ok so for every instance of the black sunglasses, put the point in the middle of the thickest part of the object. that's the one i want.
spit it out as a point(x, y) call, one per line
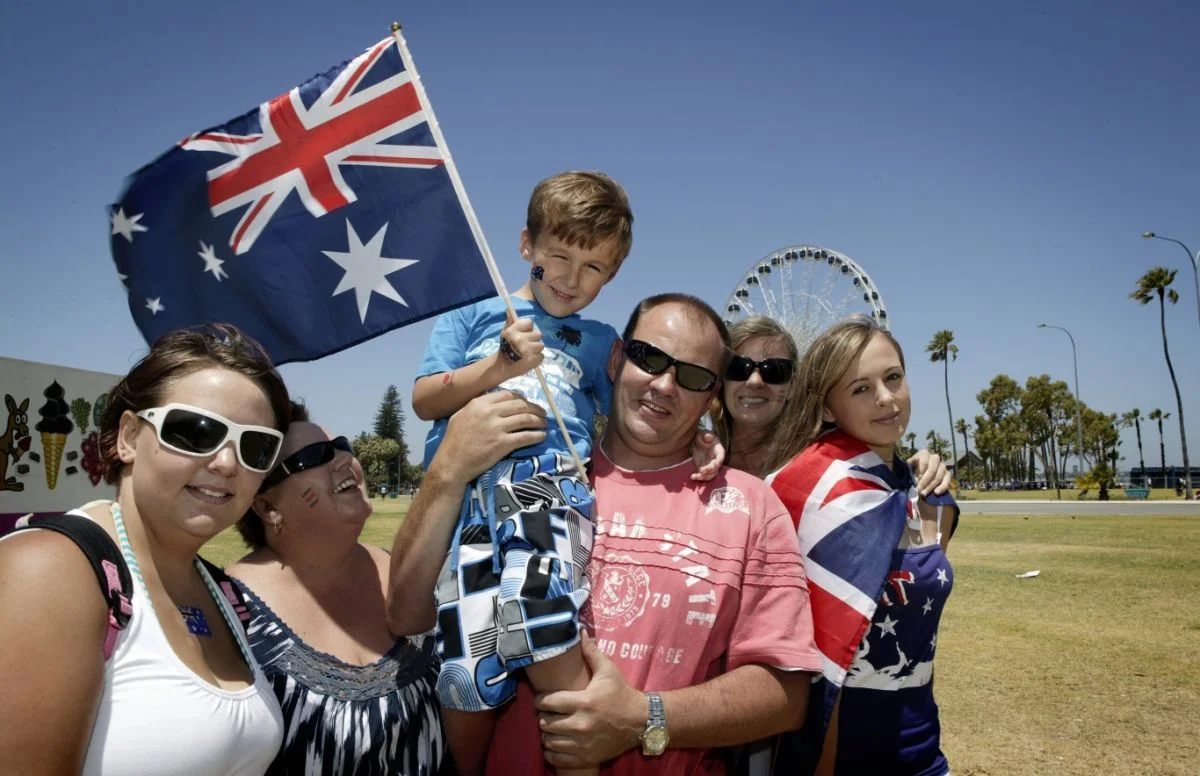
point(307, 457)
point(773, 371)
point(653, 361)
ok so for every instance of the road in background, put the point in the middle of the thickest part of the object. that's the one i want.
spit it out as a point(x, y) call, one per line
point(1133, 508)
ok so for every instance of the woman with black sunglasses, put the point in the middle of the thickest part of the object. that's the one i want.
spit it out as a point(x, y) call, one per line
point(356, 699)
point(754, 390)
point(163, 682)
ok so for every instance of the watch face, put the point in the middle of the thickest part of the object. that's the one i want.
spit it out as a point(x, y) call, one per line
point(654, 741)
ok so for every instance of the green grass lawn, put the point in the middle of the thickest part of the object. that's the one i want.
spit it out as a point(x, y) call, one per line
point(1093, 667)
point(380, 529)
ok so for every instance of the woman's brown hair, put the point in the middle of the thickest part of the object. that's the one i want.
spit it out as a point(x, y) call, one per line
point(176, 355)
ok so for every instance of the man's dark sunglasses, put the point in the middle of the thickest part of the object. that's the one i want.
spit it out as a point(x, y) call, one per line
point(653, 361)
point(307, 457)
point(773, 371)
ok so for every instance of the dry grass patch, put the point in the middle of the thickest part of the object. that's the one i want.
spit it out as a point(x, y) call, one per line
point(1092, 667)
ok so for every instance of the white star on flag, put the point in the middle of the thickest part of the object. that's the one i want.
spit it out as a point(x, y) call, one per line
point(155, 305)
point(123, 277)
point(127, 226)
point(888, 626)
point(366, 269)
point(211, 262)
point(927, 607)
point(941, 577)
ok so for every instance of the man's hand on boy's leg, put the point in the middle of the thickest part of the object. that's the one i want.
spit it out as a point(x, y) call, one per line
point(582, 728)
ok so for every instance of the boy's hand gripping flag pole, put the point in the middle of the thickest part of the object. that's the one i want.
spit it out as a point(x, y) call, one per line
point(488, 260)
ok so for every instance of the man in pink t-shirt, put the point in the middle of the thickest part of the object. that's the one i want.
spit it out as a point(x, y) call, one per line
point(699, 605)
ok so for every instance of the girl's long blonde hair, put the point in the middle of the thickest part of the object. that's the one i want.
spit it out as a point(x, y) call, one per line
point(754, 327)
point(823, 366)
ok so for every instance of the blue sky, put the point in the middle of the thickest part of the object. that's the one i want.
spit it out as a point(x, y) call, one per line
point(990, 167)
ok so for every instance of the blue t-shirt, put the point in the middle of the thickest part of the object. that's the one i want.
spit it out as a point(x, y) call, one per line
point(575, 367)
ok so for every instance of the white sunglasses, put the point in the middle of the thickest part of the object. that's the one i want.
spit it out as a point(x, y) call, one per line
point(199, 433)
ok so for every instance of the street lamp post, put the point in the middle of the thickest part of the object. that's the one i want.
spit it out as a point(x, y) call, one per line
point(1078, 401)
point(1192, 257)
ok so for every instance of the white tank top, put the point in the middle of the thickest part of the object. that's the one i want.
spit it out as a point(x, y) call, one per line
point(157, 716)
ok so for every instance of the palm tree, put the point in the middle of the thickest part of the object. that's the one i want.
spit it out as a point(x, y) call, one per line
point(961, 427)
point(911, 438)
point(1160, 416)
point(1134, 418)
point(942, 348)
point(1157, 283)
point(936, 442)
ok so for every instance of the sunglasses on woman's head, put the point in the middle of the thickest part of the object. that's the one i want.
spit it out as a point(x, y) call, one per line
point(199, 433)
point(773, 371)
point(307, 457)
point(653, 361)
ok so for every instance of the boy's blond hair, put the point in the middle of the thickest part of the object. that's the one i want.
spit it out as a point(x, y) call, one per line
point(582, 208)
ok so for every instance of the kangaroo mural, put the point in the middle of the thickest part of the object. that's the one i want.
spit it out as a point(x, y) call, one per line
point(14, 442)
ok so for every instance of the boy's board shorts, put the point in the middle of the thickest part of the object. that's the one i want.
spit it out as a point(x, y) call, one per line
point(509, 592)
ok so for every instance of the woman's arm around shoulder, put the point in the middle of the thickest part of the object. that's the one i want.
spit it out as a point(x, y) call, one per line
point(53, 617)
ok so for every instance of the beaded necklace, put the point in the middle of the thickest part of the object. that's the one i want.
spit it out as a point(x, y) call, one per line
point(135, 569)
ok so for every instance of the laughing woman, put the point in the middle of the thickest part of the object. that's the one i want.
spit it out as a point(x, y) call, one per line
point(356, 699)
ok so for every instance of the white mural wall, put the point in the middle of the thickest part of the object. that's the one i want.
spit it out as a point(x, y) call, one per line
point(50, 442)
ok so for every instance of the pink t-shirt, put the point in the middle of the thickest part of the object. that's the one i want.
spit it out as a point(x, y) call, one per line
point(689, 580)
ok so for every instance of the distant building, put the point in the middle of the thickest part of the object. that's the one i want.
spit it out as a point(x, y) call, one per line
point(969, 463)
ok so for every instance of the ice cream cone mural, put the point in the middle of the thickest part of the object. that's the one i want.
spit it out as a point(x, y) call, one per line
point(54, 427)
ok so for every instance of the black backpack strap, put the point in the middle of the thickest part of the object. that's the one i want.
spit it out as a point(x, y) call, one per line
point(102, 553)
point(232, 593)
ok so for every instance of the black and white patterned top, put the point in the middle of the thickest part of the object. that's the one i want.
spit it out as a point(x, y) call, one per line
point(344, 719)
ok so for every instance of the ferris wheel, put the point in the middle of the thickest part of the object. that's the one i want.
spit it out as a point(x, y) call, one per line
point(805, 289)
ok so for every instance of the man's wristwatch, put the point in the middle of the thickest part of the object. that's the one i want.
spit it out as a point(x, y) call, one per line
point(655, 737)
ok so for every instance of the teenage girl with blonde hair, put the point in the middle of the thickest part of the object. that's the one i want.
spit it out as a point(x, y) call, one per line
point(875, 558)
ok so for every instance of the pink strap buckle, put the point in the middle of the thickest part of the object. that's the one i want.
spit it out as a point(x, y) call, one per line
point(239, 608)
point(113, 577)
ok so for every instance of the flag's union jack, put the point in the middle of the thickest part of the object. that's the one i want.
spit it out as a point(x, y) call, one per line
point(302, 148)
point(849, 520)
point(271, 220)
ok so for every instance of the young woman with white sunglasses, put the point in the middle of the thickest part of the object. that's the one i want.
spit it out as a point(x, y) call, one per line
point(187, 438)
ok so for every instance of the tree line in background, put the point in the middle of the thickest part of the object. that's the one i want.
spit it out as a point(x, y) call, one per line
point(384, 454)
point(1024, 428)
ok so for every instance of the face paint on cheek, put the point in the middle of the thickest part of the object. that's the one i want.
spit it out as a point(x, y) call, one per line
point(537, 273)
point(310, 497)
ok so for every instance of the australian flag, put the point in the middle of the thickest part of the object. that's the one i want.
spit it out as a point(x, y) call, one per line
point(850, 507)
point(324, 217)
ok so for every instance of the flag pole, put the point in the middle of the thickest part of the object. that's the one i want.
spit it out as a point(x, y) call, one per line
point(476, 230)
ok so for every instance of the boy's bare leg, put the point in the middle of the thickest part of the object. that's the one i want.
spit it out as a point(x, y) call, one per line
point(469, 734)
point(567, 671)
